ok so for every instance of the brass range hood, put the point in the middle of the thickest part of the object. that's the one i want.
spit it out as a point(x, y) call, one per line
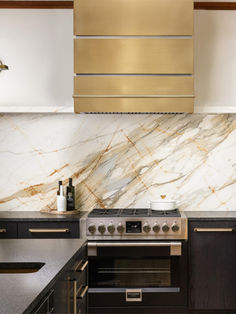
point(133, 56)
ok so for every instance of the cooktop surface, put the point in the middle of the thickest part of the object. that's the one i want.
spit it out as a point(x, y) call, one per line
point(133, 212)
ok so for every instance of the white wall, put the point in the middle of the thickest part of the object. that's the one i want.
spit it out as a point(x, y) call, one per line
point(215, 61)
point(37, 45)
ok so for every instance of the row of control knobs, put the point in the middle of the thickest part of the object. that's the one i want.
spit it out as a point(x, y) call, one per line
point(120, 228)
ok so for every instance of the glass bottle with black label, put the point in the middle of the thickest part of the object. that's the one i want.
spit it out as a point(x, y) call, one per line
point(59, 184)
point(70, 196)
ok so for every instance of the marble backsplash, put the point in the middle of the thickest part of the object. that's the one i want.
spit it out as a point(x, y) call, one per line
point(118, 160)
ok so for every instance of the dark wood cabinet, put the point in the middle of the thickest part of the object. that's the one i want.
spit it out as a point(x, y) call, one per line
point(48, 229)
point(39, 229)
point(46, 305)
point(212, 265)
point(8, 230)
point(68, 294)
point(78, 284)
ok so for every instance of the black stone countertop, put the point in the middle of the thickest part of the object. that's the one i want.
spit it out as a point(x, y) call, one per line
point(38, 216)
point(18, 291)
point(211, 215)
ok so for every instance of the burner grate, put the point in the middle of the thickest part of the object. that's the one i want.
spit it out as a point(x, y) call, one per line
point(165, 213)
point(137, 212)
point(99, 212)
point(133, 212)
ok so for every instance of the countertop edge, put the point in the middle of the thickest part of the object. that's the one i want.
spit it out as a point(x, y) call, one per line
point(38, 216)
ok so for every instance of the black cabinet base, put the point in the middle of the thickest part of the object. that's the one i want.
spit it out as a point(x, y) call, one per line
point(150, 310)
point(136, 310)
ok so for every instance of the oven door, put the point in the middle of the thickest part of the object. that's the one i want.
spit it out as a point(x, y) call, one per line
point(137, 273)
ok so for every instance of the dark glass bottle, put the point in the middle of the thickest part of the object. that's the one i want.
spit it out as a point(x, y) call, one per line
point(70, 196)
point(59, 184)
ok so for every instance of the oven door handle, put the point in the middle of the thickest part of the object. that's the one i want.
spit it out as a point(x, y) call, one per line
point(175, 247)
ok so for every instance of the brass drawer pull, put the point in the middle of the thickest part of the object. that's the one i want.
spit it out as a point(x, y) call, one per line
point(81, 296)
point(3, 230)
point(49, 230)
point(75, 294)
point(175, 247)
point(75, 297)
point(81, 266)
point(213, 229)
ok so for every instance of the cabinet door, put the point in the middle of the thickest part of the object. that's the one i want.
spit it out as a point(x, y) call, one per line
point(62, 294)
point(46, 305)
point(212, 265)
point(79, 284)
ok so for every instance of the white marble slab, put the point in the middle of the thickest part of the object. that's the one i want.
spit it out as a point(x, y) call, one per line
point(118, 160)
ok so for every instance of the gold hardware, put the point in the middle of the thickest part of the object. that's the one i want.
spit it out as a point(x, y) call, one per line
point(75, 296)
point(3, 66)
point(81, 266)
point(134, 105)
point(82, 294)
point(68, 294)
point(48, 230)
point(133, 55)
point(136, 292)
point(3, 230)
point(133, 17)
point(175, 247)
point(163, 196)
point(213, 229)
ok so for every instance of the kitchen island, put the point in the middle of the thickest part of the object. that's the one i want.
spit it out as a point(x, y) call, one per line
point(21, 292)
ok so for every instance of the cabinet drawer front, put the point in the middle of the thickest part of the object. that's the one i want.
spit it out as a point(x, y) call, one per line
point(133, 55)
point(133, 17)
point(48, 230)
point(8, 230)
point(134, 105)
point(133, 85)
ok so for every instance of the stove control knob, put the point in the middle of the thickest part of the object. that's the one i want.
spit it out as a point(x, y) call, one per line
point(92, 228)
point(111, 228)
point(120, 228)
point(175, 227)
point(156, 228)
point(165, 227)
point(146, 228)
point(101, 228)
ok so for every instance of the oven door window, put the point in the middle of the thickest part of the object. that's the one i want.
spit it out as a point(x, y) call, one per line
point(132, 272)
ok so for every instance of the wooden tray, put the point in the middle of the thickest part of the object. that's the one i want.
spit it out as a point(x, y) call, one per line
point(55, 212)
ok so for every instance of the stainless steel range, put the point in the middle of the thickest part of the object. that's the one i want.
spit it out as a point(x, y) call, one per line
point(137, 260)
point(136, 223)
